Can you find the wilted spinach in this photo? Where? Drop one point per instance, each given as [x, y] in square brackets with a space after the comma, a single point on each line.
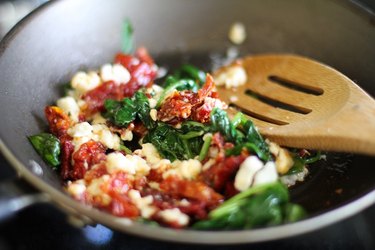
[263, 205]
[123, 112]
[182, 143]
[241, 131]
[48, 147]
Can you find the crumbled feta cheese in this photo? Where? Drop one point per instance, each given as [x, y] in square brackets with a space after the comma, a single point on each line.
[142, 203]
[98, 119]
[116, 73]
[267, 174]
[127, 135]
[83, 82]
[150, 153]
[231, 76]
[102, 134]
[174, 215]
[82, 129]
[245, 174]
[237, 33]
[118, 162]
[94, 189]
[70, 107]
[187, 169]
[76, 188]
[132, 164]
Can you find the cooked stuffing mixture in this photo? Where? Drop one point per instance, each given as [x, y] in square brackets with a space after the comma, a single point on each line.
[168, 153]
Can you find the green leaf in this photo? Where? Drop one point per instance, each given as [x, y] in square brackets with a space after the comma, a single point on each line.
[121, 113]
[191, 72]
[241, 131]
[48, 147]
[173, 84]
[127, 39]
[183, 144]
[263, 205]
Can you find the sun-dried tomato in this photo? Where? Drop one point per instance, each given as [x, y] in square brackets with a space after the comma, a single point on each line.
[194, 190]
[189, 105]
[96, 172]
[176, 107]
[142, 71]
[67, 148]
[58, 121]
[88, 154]
[222, 172]
[117, 188]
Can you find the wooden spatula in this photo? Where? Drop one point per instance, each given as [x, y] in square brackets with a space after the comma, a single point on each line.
[301, 103]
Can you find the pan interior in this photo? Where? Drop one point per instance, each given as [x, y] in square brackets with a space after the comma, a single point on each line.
[46, 49]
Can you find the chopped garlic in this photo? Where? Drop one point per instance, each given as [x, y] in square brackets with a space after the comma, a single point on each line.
[237, 33]
[245, 174]
[231, 76]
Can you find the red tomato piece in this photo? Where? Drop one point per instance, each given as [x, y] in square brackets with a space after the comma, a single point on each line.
[89, 154]
[195, 190]
[58, 121]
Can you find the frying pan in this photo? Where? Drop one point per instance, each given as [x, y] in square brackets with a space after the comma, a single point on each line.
[62, 37]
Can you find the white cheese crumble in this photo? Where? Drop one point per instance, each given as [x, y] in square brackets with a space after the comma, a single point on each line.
[237, 33]
[174, 215]
[77, 188]
[69, 105]
[186, 169]
[144, 204]
[245, 174]
[116, 73]
[149, 152]
[231, 76]
[83, 82]
[84, 131]
[132, 164]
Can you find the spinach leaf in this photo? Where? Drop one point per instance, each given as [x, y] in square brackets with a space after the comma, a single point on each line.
[241, 131]
[258, 206]
[123, 112]
[143, 109]
[300, 163]
[127, 39]
[48, 147]
[172, 143]
[169, 145]
[191, 72]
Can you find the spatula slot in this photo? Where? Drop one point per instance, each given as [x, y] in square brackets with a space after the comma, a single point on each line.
[312, 90]
[276, 103]
[257, 115]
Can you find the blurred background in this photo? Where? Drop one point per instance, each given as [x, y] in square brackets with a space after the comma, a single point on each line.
[11, 11]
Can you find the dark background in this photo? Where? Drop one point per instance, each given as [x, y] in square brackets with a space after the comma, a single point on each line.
[45, 227]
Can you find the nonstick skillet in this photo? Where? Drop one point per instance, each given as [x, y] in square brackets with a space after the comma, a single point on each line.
[44, 50]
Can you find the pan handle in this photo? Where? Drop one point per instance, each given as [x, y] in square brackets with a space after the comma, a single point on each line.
[17, 194]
